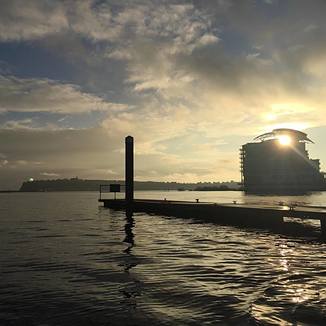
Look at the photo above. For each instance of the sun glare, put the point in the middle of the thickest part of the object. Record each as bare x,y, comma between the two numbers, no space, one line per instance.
284,140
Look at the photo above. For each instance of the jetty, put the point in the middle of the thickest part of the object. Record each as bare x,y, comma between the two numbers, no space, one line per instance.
243,215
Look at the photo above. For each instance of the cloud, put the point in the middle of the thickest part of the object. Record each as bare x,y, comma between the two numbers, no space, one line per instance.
3,163
97,154
18,124
100,21
44,95
235,91
20,20
198,78
86,153
49,174
160,35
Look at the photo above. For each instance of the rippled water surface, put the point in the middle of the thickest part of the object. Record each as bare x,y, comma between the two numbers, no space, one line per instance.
64,260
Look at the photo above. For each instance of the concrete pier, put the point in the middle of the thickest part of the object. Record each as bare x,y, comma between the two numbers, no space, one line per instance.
260,216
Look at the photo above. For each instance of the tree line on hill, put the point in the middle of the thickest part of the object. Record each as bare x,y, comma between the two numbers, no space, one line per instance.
76,184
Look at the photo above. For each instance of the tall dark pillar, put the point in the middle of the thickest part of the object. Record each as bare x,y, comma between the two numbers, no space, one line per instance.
129,171
323,228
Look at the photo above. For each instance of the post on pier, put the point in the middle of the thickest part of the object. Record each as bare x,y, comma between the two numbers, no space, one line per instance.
129,171
323,228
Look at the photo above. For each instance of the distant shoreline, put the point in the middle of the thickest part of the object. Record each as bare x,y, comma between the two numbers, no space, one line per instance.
76,184
46,191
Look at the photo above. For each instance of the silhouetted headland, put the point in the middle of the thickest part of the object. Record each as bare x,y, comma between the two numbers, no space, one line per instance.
76,184
214,188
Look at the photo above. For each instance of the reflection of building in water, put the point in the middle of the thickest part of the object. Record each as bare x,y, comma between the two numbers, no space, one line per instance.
279,162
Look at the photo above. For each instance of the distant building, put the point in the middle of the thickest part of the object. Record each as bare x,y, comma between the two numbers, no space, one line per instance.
278,162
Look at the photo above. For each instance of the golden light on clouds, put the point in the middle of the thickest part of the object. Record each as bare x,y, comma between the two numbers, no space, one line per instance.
297,125
288,115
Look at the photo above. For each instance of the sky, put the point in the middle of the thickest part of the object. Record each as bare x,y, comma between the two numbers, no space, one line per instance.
192,81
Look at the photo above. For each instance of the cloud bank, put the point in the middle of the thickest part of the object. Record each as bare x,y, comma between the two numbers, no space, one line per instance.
191,80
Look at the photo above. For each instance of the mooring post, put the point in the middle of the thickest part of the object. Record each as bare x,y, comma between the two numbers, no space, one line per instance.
129,171
323,228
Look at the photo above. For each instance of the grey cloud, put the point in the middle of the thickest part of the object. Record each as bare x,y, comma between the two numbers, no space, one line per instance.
23,20
86,152
37,95
91,153
35,19
3,163
36,144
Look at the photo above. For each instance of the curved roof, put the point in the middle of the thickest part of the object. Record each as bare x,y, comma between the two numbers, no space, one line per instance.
298,135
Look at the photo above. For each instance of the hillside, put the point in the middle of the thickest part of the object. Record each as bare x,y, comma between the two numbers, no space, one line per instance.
76,184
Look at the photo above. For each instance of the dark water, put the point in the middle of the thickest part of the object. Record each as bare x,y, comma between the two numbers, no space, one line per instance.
66,261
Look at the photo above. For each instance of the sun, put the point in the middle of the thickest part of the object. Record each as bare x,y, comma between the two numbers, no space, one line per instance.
284,140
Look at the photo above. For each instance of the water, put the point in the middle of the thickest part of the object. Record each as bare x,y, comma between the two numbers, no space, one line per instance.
66,261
